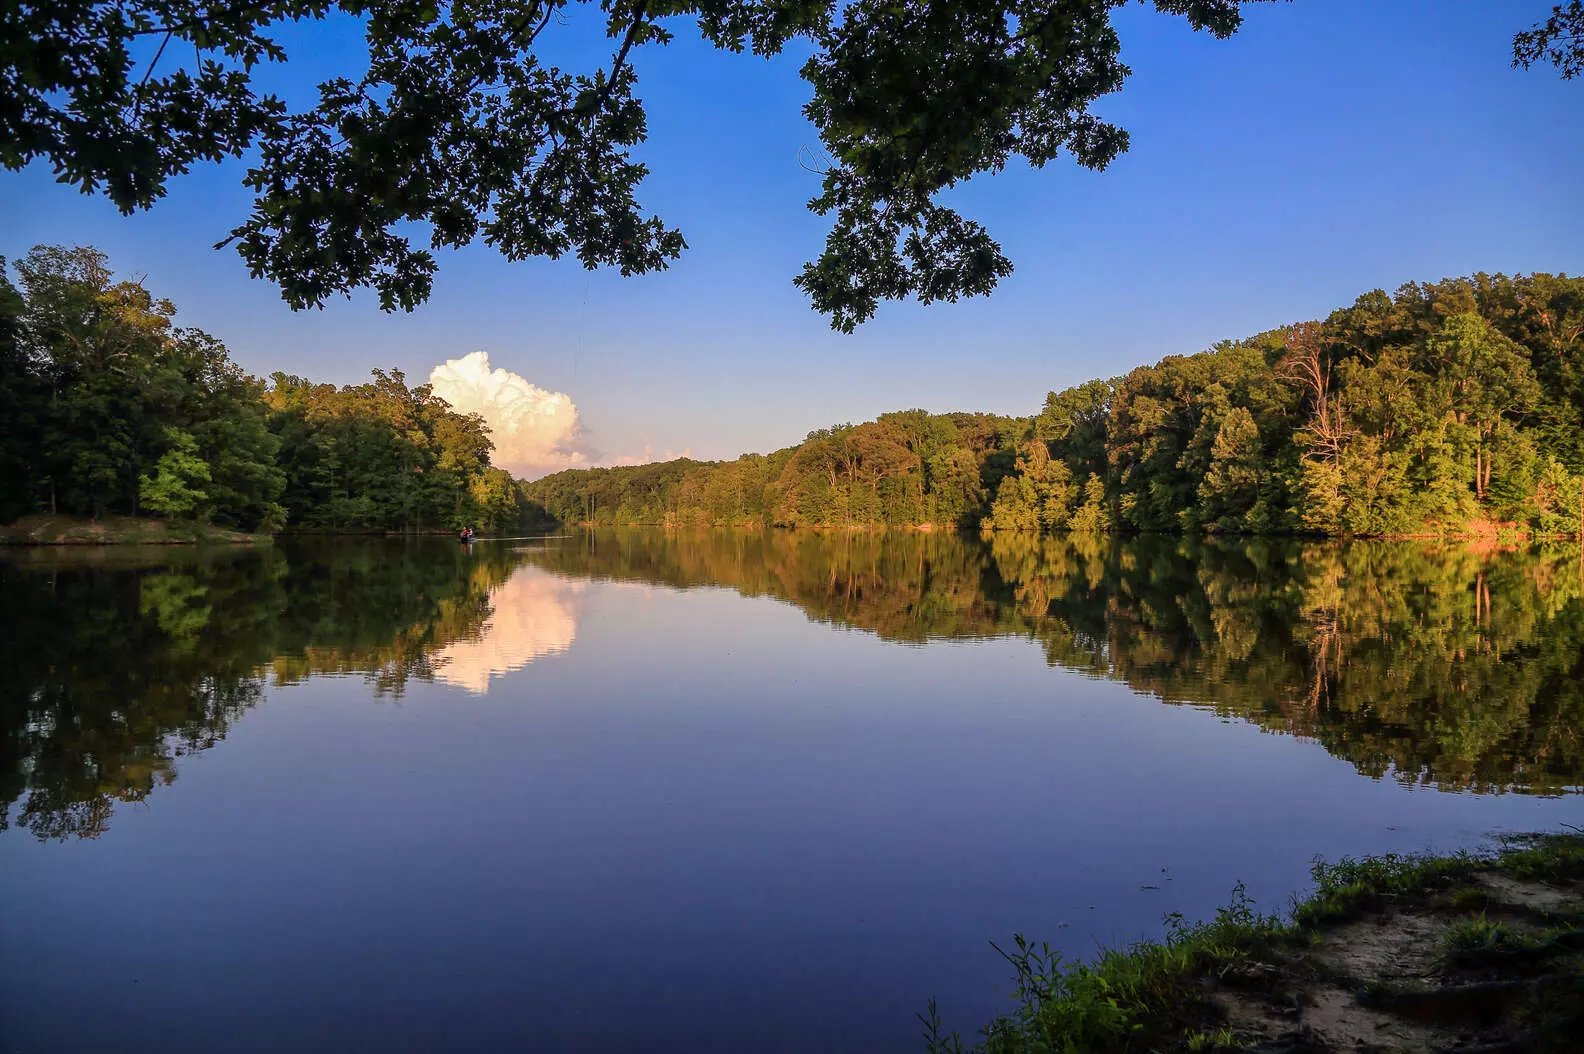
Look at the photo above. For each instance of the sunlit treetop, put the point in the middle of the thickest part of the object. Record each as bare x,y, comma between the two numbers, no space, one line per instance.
456,125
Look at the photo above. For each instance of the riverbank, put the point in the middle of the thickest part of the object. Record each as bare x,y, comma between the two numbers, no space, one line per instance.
1470,952
118,530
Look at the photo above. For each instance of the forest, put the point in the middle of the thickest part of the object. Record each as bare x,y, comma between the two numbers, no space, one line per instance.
109,408
1452,407
1445,408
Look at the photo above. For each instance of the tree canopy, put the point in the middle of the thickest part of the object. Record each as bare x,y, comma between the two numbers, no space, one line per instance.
1558,40
107,407
457,123
1445,408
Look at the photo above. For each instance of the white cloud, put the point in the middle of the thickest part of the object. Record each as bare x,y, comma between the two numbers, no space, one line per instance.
536,432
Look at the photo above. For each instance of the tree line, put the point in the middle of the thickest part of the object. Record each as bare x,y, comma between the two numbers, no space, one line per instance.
107,407
1443,408
909,467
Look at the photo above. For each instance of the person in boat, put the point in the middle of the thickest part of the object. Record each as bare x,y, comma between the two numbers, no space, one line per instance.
467,535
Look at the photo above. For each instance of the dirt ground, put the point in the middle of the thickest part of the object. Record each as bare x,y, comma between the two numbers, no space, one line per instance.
1494,965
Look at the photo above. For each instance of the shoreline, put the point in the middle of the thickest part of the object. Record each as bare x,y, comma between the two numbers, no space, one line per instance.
1477,536
71,531
45,530
42,530
1472,951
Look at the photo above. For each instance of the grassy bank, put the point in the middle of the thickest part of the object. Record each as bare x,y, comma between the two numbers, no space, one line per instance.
1470,952
116,530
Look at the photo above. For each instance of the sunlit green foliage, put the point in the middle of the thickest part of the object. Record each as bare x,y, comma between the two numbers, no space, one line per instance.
109,408
1448,407
1140,998
173,489
909,467
1173,994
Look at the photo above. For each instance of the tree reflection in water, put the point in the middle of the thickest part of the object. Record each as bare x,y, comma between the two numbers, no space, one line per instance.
1451,665
115,663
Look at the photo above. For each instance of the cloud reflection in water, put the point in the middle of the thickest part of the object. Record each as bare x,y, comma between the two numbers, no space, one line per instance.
534,614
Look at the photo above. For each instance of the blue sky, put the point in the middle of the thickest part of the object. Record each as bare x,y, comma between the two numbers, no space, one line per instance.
1331,147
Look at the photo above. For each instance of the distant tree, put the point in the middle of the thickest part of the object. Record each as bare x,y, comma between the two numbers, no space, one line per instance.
1036,496
1487,380
98,379
1231,483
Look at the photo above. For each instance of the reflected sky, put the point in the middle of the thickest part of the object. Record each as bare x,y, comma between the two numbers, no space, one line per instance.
703,805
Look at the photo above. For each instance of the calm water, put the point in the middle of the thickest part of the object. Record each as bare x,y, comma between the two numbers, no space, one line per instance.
719,791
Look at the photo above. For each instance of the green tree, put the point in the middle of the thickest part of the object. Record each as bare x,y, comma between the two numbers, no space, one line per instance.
22,398
94,344
172,489
1038,495
1231,484
100,376
1486,380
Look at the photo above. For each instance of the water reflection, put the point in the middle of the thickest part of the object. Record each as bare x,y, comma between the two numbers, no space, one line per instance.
533,614
1450,665
115,663
1454,665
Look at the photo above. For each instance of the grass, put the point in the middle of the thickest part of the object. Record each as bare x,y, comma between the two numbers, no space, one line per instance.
1471,899
1156,995
1476,937
1348,887
1131,999
1546,858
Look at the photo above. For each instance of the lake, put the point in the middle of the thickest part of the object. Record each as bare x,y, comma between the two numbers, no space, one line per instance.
640,790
